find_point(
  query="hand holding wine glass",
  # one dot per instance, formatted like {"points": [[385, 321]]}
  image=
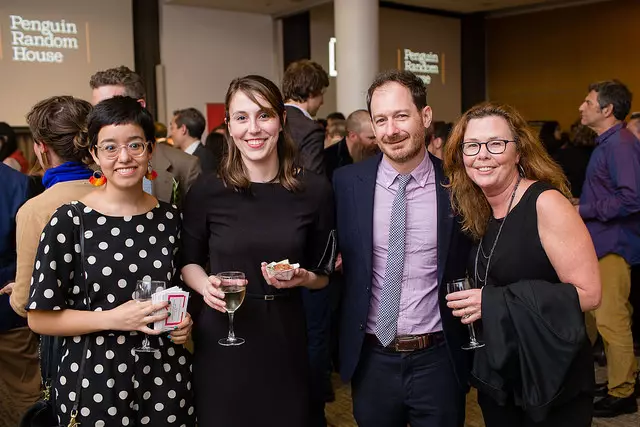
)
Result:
{"points": [[143, 293], [234, 286], [467, 303], [212, 295]]}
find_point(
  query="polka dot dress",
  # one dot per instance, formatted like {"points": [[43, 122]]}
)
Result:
{"points": [[119, 386]]}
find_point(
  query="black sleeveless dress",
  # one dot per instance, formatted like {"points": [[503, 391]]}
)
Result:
{"points": [[519, 255]]}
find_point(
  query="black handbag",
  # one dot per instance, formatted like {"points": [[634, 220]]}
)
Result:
{"points": [[43, 412], [327, 263]]}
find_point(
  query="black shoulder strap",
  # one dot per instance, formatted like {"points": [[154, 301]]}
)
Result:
{"points": [[87, 338]]}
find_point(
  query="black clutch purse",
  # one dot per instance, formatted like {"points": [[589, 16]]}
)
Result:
{"points": [[327, 263]]}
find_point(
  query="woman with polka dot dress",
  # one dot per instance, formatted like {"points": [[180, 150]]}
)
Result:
{"points": [[128, 236]]}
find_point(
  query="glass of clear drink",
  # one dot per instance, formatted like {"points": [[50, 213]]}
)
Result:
{"points": [[144, 290], [461, 285], [234, 286]]}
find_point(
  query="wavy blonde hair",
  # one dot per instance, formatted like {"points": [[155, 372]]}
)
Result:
{"points": [[467, 198]]}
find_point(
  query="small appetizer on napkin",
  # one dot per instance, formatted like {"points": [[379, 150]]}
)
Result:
{"points": [[281, 270]]}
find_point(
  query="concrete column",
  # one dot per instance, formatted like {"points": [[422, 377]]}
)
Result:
{"points": [[356, 29]]}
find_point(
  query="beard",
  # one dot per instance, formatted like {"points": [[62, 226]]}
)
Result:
{"points": [[413, 144]]}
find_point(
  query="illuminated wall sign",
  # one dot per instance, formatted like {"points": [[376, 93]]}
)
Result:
{"points": [[424, 65], [332, 57], [47, 37]]}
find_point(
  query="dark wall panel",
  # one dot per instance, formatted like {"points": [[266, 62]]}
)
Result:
{"points": [[146, 43], [296, 38], [473, 60]]}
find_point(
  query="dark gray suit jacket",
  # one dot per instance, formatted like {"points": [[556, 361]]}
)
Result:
{"points": [[309, 137]]}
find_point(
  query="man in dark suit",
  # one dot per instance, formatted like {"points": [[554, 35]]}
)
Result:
{"points": [[186, 129], [399, 343], [176, 170], [303, 86]]}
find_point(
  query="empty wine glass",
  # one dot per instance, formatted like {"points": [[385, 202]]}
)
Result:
{"points": [[461, 285], [234, 286], [144, 290]]}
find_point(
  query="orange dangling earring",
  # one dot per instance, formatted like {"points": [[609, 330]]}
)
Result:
{"points": [[151, 174], [97, 179]]}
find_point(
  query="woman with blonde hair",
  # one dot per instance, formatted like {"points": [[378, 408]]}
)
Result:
{"points": [[534, 268]]}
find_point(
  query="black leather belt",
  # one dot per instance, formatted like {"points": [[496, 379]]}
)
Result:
{"points": [[405, 343], [268, 297]]}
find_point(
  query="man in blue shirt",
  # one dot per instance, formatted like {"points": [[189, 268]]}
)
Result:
{"points": [[610, 207]]}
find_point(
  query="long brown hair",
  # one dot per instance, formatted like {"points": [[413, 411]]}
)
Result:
{"points": [[232, 169], [536, 164]]}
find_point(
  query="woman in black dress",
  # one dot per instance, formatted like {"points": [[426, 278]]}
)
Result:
{"points": [[128, 236], [514, 199], [259, 208]]}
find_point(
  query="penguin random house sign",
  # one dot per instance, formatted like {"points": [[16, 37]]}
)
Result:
{"points": [[424, 65], [43, 41]]}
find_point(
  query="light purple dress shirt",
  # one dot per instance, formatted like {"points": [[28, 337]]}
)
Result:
{"points": [[419, 311]]}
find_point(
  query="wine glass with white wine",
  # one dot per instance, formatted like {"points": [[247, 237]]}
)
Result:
{"points": [[234, 286], [457, 286]]}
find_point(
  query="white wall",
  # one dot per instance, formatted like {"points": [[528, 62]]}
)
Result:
{"points": [[202, 50]]}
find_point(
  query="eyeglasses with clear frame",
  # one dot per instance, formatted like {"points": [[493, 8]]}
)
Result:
{"points": [[111, 150], [495, 146]]}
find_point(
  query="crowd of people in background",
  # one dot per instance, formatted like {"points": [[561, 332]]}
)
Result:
{"points": [[383, 208]]}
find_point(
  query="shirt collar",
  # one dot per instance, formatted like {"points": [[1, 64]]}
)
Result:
{"points": [[192, 148], [605, 135], [420, 174], [305, 112]]}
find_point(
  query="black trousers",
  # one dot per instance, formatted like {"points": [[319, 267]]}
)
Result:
{"points": [[578, 412], [419, 388], [318, 317]]}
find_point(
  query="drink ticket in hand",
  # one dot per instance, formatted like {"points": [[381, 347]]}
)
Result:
{"points": [[178, 300]]}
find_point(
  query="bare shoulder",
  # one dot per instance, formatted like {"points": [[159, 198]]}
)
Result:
{"points": [[556, 213], [552, 202]]}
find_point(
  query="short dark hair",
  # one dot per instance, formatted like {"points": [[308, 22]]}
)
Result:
{"points": [[635, 116], [120, 76], [119, 110], [192, 119], [303, 79], [9, 141], [616, 93], [336, 116], [442, 130], [405, 78]]}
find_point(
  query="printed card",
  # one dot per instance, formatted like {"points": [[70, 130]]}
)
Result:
{"points": [[178, 300]]}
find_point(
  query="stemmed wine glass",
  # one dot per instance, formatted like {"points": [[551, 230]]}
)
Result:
{"points": [[461, 285], [234, 287], [144, 290]]}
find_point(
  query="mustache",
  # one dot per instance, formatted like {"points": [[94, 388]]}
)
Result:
{"points": [[390, 139]]}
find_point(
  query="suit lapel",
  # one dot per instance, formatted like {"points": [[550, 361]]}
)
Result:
{"points": [[363, 194], [445, 217], [163, 184]]}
